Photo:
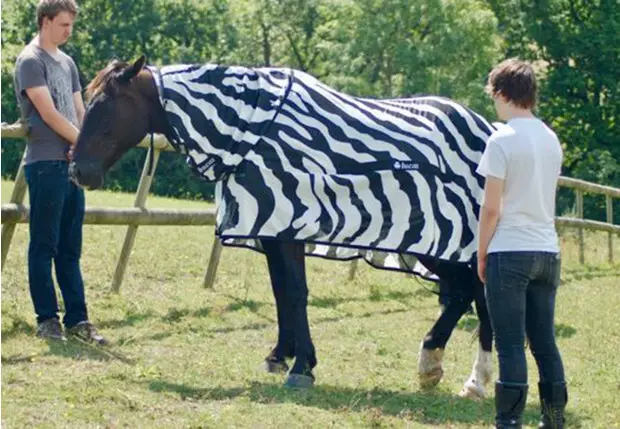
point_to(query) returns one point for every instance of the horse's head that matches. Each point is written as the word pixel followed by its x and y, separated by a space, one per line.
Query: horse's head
pixel 123 107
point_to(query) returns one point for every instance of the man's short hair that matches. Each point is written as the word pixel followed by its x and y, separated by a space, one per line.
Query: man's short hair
pixel 51 8
pixel 514 80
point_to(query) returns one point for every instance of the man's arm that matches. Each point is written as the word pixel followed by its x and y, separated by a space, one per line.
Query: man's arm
pixel 42 101
pixel 79 107
pixel 489 216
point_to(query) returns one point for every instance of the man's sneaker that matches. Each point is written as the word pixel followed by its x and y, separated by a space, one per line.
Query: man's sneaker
pixel 86 331
pixel 51 329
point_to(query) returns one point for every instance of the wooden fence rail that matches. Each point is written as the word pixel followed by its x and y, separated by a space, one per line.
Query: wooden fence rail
pixel 15 212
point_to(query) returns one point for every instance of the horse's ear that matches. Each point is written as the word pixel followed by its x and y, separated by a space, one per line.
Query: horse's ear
pixel 132 71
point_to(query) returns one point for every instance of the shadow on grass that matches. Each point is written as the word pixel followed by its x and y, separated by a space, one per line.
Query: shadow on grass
pixel 258 326
pixel 71 349
pixel 131 319
pixel 250 304
pixel 429 407
pixel 317 321
pixel 375 295
pixel 18 327
pixel 564 331
pixel 176 314
pixel 78 349
pixel 20 358
pixel 588 272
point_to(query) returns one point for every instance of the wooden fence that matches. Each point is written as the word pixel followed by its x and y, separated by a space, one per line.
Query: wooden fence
pixel 15 212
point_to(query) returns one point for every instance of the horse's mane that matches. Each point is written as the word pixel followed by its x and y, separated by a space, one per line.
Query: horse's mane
pixel 105 78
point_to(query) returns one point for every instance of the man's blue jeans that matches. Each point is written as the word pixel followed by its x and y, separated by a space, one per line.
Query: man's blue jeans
pixel 56 217
pixel 520 291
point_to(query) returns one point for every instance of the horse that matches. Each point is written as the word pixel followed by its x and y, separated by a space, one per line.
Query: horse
pixel 128 101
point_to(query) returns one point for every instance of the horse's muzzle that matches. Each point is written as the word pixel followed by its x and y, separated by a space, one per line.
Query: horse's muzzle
pixel 88 174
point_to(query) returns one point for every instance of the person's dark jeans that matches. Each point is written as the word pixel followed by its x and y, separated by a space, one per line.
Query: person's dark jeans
pixel 56 217
pixel 520 291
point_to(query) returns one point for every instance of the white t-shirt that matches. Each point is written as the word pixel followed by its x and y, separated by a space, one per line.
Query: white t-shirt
pixel 527 155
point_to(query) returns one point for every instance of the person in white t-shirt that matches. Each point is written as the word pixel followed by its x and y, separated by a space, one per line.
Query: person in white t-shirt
pixel 518 251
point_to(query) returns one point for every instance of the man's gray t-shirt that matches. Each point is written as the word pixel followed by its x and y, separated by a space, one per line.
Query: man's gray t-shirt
pixel 36 67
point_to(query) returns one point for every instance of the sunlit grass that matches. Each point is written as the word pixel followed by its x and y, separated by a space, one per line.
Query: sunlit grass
pixel 187 357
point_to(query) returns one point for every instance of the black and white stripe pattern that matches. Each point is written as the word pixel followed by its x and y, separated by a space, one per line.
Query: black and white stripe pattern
pixel 297 160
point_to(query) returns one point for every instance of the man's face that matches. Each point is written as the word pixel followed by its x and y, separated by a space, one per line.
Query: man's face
pixel 59 28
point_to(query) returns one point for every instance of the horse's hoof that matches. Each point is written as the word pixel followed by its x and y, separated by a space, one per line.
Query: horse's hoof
pixel 472 390
pixel 431 378
pixel 430 369
pixel 275 366
pixel 299 381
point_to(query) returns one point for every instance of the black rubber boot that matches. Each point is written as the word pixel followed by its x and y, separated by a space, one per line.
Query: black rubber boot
pixel 509 404
pixel 553 399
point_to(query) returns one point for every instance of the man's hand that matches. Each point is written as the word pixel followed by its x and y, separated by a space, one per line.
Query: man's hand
pixel 70 153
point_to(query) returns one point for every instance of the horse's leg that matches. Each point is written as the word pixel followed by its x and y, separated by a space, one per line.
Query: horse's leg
pixel 275 362
pixel 297 293
pixel 444 295
pixel 430 370
pixel 482 370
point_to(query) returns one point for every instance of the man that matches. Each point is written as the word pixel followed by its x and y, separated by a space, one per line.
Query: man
pixel 518 249
pixel 48 92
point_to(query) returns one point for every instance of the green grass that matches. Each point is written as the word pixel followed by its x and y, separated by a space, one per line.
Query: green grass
pixel 187 357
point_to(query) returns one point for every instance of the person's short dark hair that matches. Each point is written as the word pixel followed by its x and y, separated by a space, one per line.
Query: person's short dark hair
pixel 51 8
pixel 515 81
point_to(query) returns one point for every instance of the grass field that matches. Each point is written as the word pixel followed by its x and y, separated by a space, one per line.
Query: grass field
pixel 187 357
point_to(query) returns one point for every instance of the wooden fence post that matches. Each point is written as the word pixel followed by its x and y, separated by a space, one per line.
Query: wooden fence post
pixel 353 269
pixel 610 236
pixel 130 235
pixel 214 262
pixel 17 197
pixel 579 203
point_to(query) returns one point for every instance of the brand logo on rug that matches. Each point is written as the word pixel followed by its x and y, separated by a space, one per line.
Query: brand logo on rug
pixel 404 165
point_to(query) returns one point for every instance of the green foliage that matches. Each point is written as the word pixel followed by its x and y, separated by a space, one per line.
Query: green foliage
pixel 580 42
pixel 430 46
pixel 166 31
pixel 576 45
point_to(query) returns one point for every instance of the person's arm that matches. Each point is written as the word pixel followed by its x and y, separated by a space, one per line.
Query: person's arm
pixel 489 217
pixel 79 107
pixel 493 165
pixel 78 101
pixel 42 101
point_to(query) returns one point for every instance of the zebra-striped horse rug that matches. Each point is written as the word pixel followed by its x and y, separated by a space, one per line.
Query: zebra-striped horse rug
pixel 351 177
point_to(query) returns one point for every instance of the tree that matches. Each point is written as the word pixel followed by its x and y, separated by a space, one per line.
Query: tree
pixel 374 48
pixel 576 46
pixel 166 31
pixel 404 47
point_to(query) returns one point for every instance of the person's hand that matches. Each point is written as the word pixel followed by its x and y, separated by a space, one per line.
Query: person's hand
pixel 482 268
pixel 70 153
